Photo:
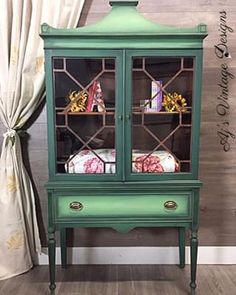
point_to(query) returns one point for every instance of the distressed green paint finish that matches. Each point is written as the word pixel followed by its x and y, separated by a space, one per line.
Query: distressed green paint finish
pixel 127 42
pixel 195 135
pixel 123 206
pixel 50 114
pixel 124 200
pixel 124 19
pixel 140 186
pixel 118 56
pixel 122 28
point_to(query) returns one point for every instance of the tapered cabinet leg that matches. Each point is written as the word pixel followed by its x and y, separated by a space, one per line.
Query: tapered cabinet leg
pixel 63 248
pixel 182 247
pixel 52 256
pixel 194 250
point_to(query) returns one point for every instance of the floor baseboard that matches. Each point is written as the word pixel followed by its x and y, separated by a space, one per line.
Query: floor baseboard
pixel 141 255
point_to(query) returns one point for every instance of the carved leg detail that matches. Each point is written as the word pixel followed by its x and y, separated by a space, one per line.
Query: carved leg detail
pixel 51 254
pixel 182 247
pixel 194 249
pixel 63 248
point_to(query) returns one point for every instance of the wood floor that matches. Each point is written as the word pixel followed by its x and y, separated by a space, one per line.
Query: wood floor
pixel 124 280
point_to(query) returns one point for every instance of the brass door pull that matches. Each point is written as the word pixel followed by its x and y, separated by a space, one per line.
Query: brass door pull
pixel 76 206
pixel 170 205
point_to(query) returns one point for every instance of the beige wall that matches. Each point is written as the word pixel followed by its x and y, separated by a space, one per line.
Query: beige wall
pixel 217 168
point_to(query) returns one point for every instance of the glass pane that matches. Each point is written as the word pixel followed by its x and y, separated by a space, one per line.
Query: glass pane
pixel 84 94
pixel 162 93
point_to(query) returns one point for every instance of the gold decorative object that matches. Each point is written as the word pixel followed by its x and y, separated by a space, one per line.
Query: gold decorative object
pixel 78 101
pixel 174 102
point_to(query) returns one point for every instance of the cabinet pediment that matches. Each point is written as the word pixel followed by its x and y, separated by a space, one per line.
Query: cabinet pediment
pixel 124 19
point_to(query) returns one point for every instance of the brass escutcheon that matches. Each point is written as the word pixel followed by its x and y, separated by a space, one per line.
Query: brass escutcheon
pixel 76 206
pixel 170 205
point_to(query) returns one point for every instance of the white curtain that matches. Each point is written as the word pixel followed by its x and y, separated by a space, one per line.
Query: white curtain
pixel 21 92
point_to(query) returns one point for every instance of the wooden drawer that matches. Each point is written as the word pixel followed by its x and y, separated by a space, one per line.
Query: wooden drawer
pixel 124 206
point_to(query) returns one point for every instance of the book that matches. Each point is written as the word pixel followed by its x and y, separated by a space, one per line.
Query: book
pixel 156 95
pixel 90 103
pixel 99 98
pixel 95 99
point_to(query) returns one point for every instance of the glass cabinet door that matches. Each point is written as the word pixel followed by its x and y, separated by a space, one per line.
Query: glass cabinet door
pixel 161 121
pixel 85 102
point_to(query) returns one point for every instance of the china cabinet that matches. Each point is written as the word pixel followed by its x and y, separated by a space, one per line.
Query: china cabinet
pixel 123 106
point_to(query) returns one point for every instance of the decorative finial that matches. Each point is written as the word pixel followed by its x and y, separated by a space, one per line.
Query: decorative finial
pixel 202 28
pixel 44 28
pixel 123 3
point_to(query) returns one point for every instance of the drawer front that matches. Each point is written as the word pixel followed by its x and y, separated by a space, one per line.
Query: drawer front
pixel 124 206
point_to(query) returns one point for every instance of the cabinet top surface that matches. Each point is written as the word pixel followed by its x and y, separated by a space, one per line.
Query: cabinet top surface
pixel 124 20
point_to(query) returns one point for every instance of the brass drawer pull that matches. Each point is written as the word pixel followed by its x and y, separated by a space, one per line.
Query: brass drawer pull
pixel 170 205
pixel 76 206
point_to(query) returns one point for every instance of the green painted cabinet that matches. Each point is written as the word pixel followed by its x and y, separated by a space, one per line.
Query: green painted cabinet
pixel 123 105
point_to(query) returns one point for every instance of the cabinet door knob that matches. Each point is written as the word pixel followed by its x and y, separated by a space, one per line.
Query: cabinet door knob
pixel 170 205
pixel 76 206
pixel 128 117
pixel 119 117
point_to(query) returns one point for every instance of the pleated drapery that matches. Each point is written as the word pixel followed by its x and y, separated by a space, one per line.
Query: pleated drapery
pixel 21 92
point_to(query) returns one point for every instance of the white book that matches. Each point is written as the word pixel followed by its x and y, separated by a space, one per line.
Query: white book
pixel 156 94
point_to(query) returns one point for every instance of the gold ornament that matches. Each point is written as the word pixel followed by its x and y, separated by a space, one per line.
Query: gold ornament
pixel 78 101
pixel 174 102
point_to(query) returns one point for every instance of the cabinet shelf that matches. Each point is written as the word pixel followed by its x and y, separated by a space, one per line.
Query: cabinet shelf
pixel 113 113
pixel 86 113
pixel 160 113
